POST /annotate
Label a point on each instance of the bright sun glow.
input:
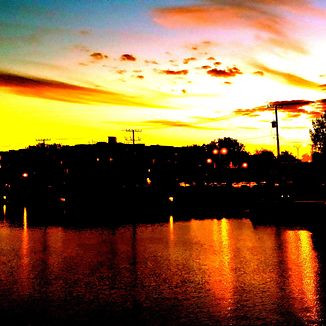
(79, 72)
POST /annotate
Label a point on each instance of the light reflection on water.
(302, 268)
(4, 211)
(194, 272)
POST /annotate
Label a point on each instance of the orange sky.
(185, 74)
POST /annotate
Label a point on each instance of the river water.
(197, 272)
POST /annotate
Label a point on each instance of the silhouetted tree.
(287, 157)
(318, 134)
(231, 144)
(263, 163)
(234, 151)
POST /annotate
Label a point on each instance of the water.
(198, 272)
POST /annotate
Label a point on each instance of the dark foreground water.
(198, 272)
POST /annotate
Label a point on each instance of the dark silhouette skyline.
(126, 178)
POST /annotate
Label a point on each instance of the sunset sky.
(184, 72)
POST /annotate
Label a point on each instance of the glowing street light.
(215, 151)
(224, 151)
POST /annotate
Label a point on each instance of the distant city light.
(171, 199)
(244, 165)
(184, 184)
(209, 161)
(25, 175)
(224, 151)
(215, 151)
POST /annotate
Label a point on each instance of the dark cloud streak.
(60, 91)
(175, 72)
(293, 109)
(127, 57)
(98, 56)
(230, 72)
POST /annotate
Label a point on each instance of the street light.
(223, 151)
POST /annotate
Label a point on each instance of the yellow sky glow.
(184, 75)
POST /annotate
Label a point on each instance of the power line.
(132, 138)
(43, 140)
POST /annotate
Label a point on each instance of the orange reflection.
(25, 220)
(4, 208)
(302, 265)
(171, 228)
(250, 264)
(223, 275)
(25, 264)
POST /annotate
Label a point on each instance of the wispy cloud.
(259, 73)
(179, 124)
(60, 91)
(98, 56)
(321, 104)
(289, 78)
(293, 108)
(85, 32)
(230, 72)
(272, 21)
(201, 46)
(175, 72)
(153, 62)
(121, 71)
(187, 60)
(127, 57)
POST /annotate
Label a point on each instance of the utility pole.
(133, 131)
(275, 125)
(43, 140)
